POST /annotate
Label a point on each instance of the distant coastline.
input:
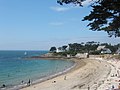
(49, 56)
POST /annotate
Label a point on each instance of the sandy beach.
(88, 74)
(113, 79)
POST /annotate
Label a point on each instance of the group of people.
(28, 83)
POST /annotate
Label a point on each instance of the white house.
(106, 51)
(81, 55)
(68, 55)
(59, 50)
(100, 47)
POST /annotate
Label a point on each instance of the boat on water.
(25, 53)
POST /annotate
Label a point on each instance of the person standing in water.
(29, 82)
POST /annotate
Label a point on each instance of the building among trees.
(118, 51)
(106, 51)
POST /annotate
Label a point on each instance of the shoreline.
(67, 70)
(78, 78)
(84, 73)
(40, 80)
(94, 75)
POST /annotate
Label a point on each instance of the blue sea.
(16, 70)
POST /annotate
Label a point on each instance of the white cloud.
(60, 9)
(87, 2)
(56, 23)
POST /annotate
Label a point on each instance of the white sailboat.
(25, 53)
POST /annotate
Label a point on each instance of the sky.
(41, 24)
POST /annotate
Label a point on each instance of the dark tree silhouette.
(53, 49)
(64, 47)
(70, 1)
(105, 15)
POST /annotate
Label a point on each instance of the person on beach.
(88, 87)
(22, 82)
(113, 87)
(3, 86)
(29, 82)
(65, 78)
(119, 86)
